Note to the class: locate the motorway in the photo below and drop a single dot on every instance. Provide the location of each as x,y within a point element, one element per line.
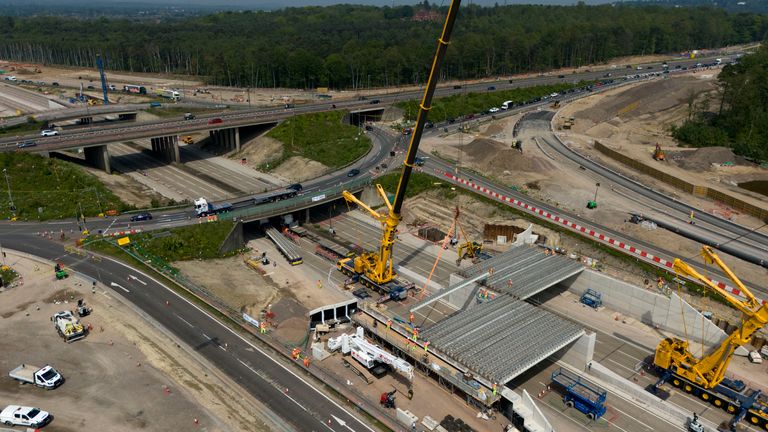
<point>262,373</point>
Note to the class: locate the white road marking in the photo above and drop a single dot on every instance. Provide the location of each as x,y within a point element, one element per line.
<point>207,337</point>
<point>222,348</point>
<point>645,425</point>
<point>185,321</point>
<point>622,366</point>
<point>119,286</point>
<point>137,280</point>
<point>234,333</point>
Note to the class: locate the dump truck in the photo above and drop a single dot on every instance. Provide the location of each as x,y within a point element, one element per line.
<point>204,208</point>
<point>45,377</point>
<point>68,327</point>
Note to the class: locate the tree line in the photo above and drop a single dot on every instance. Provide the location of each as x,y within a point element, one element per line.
<point>738,116</point>
<point>354,47</point>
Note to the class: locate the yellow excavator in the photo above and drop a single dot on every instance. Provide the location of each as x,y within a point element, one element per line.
<point>469,249</point>
<point>705,377</point>
<point>375,268</point>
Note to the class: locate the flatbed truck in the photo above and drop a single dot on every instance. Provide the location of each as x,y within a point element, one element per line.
<point>45,377</point>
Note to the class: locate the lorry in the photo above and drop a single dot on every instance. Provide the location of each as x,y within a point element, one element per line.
<point>170,94</point>
<point>16,415</point>
<point>45,377</point>
<point>204,208</point>
<point>68,327</point>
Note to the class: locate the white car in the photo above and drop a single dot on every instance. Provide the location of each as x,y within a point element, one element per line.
<point>49,132</point>
<point>494,110</point>
<point>10,78</point>
<point>24,416</point>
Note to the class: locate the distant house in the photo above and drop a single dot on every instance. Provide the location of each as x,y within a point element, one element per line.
<point>426,15</point>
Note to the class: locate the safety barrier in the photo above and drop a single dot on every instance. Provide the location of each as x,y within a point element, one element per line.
<point>600,237</point>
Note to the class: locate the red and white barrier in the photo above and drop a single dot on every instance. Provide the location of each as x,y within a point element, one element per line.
<point>616,244</point>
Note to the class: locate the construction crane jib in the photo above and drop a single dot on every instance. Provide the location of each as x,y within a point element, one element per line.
<point>672,354</point>
<point>378,266</point>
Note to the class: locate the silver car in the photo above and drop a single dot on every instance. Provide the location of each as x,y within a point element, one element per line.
<point>49,132</point>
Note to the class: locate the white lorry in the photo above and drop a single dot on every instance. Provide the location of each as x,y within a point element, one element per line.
<point>24,416</point>
<point>46,377</point>
<point>68,326</point>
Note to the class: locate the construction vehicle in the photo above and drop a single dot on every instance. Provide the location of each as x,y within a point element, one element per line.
<point>60,272</point>
<point>188,140</point>
<point>24,416</point>
<point>375,268</point>
<point>82,310</point>
<point>705,377</point>
<point>578,394</point>
<point>469,249</point>
<point>368,354</point>
<point>694,425</point>
<point>592,298</point>
<point>45,377</point>
<point>204,208</point>
<point>658,153</point>
<point>387,399</point>
<point>68,327</point>
<point>100,65</point>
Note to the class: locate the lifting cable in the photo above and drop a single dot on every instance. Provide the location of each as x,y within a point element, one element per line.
<point>434,266</point>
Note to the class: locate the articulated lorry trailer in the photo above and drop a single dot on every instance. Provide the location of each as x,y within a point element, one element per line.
<point>204,208</point>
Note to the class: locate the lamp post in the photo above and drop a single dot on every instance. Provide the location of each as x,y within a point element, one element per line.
<point>597,186</point>
<point>10,197</point>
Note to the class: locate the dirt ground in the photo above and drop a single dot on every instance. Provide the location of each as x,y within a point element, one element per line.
<point>126,375</point>
<point>263,150</point>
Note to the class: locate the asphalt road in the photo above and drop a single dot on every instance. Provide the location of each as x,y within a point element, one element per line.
<point>278,386</point>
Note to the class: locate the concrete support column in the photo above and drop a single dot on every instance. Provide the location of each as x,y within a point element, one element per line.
<point>237,139</point>
<point>167,147</point>
<point>86,120</point>
<point>98,156</point>
<point>306,216</point>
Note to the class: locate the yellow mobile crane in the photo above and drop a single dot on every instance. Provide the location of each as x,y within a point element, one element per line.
<point>705,377</point>
<point>375,268</point>
<point>469,249</point>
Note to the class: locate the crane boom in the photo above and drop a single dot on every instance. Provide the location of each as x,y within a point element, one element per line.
<point>672,354</point>
<point>100,64</point>
<point>378,266</point>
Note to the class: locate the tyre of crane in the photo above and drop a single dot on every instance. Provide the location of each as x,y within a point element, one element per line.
<point>569,404</point>
<point>591,416</point>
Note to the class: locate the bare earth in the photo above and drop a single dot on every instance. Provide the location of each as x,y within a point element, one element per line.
<point>126,375</point>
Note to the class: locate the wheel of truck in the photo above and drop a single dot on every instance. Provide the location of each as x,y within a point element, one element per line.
<point>9,423</point>
<point>591,416</point>
<point>569,404</point>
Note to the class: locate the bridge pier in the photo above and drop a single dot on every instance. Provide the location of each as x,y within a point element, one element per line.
<point>167,147</point>
<point>86,120</point>
<point>98,156</point>
<point>228,139</point>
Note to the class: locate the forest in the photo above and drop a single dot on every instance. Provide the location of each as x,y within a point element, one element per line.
<point>738,116</point>
<point>353,47</point>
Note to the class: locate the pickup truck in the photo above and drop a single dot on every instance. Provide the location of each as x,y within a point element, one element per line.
<point>24,416</point>
<point>46,377</point>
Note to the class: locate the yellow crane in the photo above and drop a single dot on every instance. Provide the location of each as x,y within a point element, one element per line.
<point>703,376</point>
<point>376,267</point>
<point>469,249</point>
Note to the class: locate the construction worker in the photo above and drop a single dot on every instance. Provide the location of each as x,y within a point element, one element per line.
<point>691,221</point>
<point>426,346</point>
<point>410,318</point>
<point>494,389</point>
<point>389,324</point>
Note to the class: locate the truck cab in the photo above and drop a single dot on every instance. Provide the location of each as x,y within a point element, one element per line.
<point>45,377</point>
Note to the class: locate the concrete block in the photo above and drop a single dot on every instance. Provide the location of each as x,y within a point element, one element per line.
<point>406,417</point>
<point>429,423</point>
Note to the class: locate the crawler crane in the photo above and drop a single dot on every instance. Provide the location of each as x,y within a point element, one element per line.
<point>705,377</point>
<point>375,268</point>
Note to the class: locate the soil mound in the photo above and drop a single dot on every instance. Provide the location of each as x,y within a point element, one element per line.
<point>703,158</point>
<point>498,157</point>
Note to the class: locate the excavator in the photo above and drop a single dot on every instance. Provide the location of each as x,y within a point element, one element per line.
<point>705,377</point>
<point>375,269</point>
<point>658,153</point>
<point>469,249</point>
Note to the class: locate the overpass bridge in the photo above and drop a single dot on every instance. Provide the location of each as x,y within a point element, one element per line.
<point>224,129</point>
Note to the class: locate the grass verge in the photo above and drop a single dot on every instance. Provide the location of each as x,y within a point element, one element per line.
<point>459,105</point>
<point>321,137</point>
<point>31,125</point>
<point>199,241</point>
<point>46,188</point>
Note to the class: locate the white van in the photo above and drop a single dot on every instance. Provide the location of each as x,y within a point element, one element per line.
<point>507,104</point>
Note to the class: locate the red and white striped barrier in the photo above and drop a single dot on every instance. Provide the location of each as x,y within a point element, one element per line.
<point>124,233</point>
<point>616,244</point>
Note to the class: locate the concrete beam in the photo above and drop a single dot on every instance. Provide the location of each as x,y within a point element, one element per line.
<point>167,147</point>
<point>98,156</point>
<point>449,290</point>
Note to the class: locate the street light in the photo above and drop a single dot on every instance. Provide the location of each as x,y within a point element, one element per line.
<point>10,197</point>
<point>597,186</point>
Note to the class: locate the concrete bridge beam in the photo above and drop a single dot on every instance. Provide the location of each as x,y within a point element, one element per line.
<point>98,156</point>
